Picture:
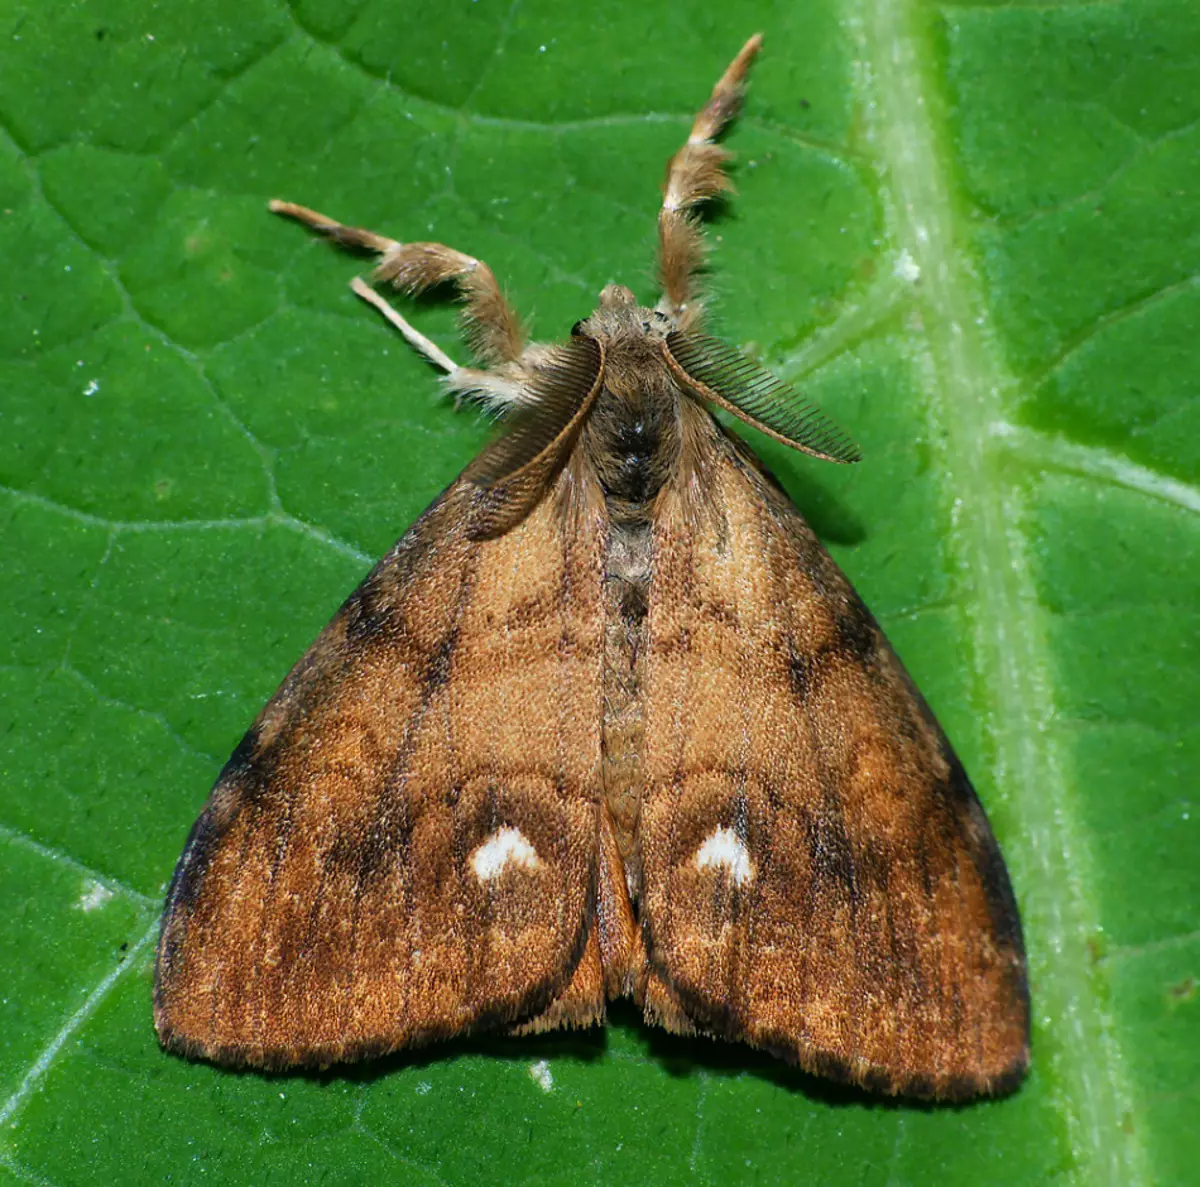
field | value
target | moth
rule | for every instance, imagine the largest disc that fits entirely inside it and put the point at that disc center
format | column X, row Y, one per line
column 607, row 721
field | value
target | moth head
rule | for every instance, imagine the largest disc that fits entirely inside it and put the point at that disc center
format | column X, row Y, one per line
column 617, row 296
column 623, row 323
column 717, row 372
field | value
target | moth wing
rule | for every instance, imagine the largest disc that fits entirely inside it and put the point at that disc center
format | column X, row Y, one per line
column 403, row 847
column 819, row 877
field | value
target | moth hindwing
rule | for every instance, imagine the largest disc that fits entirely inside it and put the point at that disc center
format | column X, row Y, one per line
column 607, row 720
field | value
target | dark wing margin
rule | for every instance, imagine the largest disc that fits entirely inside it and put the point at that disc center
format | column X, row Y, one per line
column 513, row 472
column 820, row 879
column 727, row 378
column 332, row 902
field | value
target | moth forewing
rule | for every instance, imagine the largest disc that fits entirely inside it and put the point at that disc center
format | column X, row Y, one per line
column 607, row 720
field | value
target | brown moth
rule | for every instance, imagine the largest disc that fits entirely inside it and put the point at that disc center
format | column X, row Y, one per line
column 607, row 721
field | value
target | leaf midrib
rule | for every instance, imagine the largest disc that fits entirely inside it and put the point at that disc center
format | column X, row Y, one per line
column 968, row 383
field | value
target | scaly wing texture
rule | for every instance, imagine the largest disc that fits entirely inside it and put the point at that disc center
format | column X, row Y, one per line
column 820, row 879
column 332, row 901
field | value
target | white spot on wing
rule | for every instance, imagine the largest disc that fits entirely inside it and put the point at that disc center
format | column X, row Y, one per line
column 539, row 1073
column 724, row 850
column 505, row 845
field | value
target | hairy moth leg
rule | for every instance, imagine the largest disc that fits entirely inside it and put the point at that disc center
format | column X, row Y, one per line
column 493, row 329
column 425, row 346
column 695, row 174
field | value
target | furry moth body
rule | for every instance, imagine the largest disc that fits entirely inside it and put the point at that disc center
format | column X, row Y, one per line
column 607, row 721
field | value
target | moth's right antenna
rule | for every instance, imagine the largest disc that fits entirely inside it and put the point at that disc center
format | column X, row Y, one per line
column 726, row 377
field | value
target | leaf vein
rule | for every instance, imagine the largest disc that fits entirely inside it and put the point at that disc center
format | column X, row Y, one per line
column 50, row 1053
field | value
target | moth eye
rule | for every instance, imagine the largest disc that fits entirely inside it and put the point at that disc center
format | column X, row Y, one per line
column 724, row 850
column 506, row 846
column 577, row 329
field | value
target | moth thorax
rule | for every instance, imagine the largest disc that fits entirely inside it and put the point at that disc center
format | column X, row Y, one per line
column 633, row 440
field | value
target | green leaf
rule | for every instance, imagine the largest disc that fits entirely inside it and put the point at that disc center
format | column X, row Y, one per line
column 972, row 233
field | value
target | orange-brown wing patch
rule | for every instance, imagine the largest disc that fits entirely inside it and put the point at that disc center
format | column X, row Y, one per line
column 820, row 879
column 403, row 847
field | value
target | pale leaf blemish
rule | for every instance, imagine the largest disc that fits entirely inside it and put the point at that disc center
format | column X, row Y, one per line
column 424, row 1088
column 540, row 1074
column 724, row 850
column 506, row 845
column 94, row 897
column 906, row 268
